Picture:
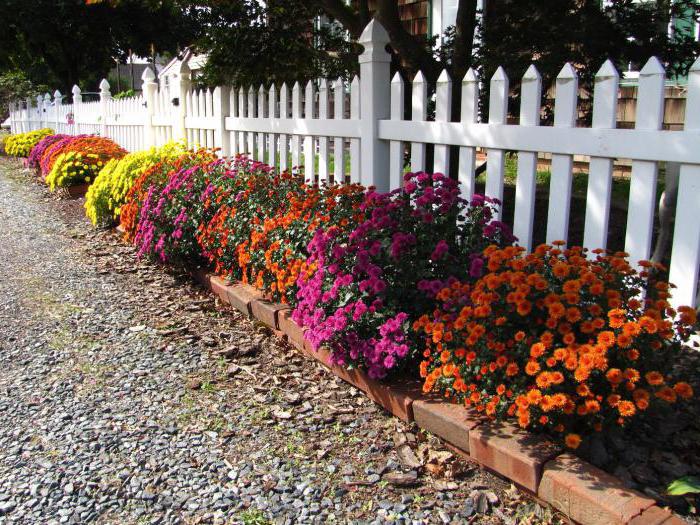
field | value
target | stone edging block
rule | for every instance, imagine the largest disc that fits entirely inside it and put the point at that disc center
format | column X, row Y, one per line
column 512, row 452
column 590, row 496
column 77, row 191
column 450, row 421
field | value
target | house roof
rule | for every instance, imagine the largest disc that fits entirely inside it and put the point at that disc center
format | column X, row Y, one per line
column 194, row 60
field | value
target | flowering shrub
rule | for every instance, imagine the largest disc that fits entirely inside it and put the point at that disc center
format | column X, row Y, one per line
column 562, row 342
column 361, row 286
column 20, row 144
column 80, row 160
column 263, row 223
column 53, row 150
column 37, row 152
column 153, row 179
column 170, row 214
column 242, row 200
column 108, row 193
column 278, row 246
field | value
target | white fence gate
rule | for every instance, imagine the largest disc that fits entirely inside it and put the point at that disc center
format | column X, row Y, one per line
column 340, row 132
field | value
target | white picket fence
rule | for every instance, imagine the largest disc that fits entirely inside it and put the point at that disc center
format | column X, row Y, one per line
column 358, row 129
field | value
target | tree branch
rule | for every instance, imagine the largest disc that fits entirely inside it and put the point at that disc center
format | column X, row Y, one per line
column 410, row 50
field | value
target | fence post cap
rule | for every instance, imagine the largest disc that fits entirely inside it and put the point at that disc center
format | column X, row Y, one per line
column 607, row 70
column 444, row 77
column 374, row 40
column 104, row 85
column 470, row 76
column 652, row 67
column 499, row 75
column 148, row 75
column 696, row 66
column 531, row 74
column 47, row 97
column 567, row 72
column 374, row 32
column 57, row 94
column 75, row 90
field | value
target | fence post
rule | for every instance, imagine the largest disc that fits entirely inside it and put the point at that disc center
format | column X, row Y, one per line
column 45, row 110
column 77, row 101
column 57, row 102
column 222, row 138
column 40, row 110
column 12, row 117
column 149, row 88
column 182, row 89
column 105, row 97
column 375, row 104
column 30, row 121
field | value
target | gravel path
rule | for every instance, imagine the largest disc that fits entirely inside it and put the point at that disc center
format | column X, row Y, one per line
column 127, row 395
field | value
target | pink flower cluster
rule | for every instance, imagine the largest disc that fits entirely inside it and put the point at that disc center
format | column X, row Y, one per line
column 371, row 281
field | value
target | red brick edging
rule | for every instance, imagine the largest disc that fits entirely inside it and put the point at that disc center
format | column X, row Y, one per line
column 584, row 493
column 77, row 191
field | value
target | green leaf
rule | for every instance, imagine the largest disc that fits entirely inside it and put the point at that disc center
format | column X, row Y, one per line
column 684, row 485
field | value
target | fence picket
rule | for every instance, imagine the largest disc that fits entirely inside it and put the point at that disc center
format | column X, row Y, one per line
column 685, row 254
column 242, row 113
column 498, row 111
column 236, row 147
column 209, row 105
column 443, row 106
column 600, row 169
column 395, row 146
column 251, row 114
column 262, row 107
column 525, row 184
column 419, row 111
column 284, row 115
column 296, row 114
column 323, row 153
column 642, row 199
column 355, row 143
column 565, row 112
column 309, row 149
column 272, row 113
column 338, row 142
column 469, row 115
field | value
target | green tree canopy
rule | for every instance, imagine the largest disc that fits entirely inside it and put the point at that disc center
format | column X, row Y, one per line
column 67, row 42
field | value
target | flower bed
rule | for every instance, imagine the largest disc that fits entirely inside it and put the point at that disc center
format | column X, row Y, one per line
column 79, row 160
column 109, row 191
column 20, row 144
column 37, row 152
column 416, row 283
column 557, row 340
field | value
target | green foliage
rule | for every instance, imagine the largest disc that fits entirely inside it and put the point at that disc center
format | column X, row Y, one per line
column 67, row 42
column 14, row 85
column 249, row 42
column 127, row 93
column 20, row 144
column 517, row 33
column 107, row 194
column 684, row 485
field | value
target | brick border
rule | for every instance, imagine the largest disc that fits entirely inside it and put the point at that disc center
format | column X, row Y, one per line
column 582, row 492
column 76, row 191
